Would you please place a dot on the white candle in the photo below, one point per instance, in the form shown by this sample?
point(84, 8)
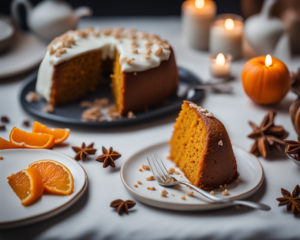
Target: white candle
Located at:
point(197, 16)
point(220, 64)
point(226, 35)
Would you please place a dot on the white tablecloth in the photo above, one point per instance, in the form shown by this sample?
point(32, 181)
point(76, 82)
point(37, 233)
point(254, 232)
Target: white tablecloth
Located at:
point(92, 218)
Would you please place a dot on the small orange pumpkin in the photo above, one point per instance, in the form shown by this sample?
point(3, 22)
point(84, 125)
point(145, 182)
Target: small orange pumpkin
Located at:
point(266, 84)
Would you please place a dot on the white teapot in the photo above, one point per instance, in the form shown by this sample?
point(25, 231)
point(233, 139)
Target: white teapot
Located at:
point(267, 34)
point(50, 18)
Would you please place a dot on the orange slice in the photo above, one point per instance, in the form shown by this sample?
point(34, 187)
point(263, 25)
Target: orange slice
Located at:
point(57, 178)
point(31, 140)
point(28, 185)
point(59, 134)
point(4, 144)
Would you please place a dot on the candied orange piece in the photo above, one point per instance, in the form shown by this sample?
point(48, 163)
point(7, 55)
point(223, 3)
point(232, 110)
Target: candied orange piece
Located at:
point(28, 185)
point(57, 178)
point(59, 134)
point(31, 140)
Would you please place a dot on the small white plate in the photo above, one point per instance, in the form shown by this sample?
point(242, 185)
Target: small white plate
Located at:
point(13, 213)
point(250, 170)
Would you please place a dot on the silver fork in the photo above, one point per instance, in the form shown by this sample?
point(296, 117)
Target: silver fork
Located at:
point(164, 179)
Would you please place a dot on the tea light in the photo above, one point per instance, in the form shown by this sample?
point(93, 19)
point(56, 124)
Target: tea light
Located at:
point(220, 64)
point(226, 35)
point(197, 16)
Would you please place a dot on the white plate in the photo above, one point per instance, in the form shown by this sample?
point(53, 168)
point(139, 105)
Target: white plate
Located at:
point(12, 212)
point(250, 170)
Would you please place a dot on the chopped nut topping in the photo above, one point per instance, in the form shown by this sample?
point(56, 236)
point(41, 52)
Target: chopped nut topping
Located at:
point(148, 44)
point(134, 51)
point(164, 193)
point(154, 36)
point(139, 182)
point(166, 46)
point(101, 102)
point(115, 115)
point(130, 114)
point(96, 33)
point(140, 170)
point(60, 52)
point(181, 176)
point(203, 110)
point(107, 31)
point(52, 50)
point(151, 178)
point(220, 143)
point(183, 197)
point(32, 97)
point(209, 115)
point(85, 104)
point(82, 33)
point(146, 167)
point(158, 52)
point(120, 41)
point(123, 60)
point(130, 61)
point(48, 109)
point(1, 158)
point(171, 170)
point(212, 193)
point(190, 194)
point(225, 192)
point(177, 173)
point(134, 44)
point(146, 57)
point(135, 185)
point(148, 52)
point(91, 114)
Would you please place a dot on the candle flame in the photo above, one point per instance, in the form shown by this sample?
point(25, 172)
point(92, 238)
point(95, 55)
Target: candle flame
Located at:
point(220, 60)
point(268, 60)
point(229, 24)
point(199, 3)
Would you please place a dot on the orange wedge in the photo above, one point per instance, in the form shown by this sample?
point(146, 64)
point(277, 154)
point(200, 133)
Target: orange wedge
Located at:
point(4, 144)
point(57, 178)
point(59, 134)
point(31, 140)
point(28, 185)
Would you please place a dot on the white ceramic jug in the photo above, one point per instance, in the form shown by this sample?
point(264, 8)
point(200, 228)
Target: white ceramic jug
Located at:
point(267, 34)
point(50, 18)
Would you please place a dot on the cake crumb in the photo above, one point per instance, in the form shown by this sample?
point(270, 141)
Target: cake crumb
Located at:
point(209, 115)
point(115, 115)
point(130, 114)
point(164, 193)
point(134, 73)
point(1, 158)
point(135, 185)
point(146, 167)
point(225, 192)
point(148, 188)
point(212, 193)
point(220, 186)
point(140, 170)
point(32, 97)
point(173, 195)
point(183, 197)
point(150, 178)
point(101, 102)
point(91, 114)
point(153, 188)
point(220, 143)
point(139, 182)
point(171, 170)
point(48, 109)
point(85, 104)
point(177, 173)
point(190, 194)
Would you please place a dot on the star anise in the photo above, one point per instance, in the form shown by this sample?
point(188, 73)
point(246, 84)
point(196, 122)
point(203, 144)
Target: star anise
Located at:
point(108, 157)
point(293, 147)
point(267, 136)
point(292, 201)
point(83, 151)
point(121, 205)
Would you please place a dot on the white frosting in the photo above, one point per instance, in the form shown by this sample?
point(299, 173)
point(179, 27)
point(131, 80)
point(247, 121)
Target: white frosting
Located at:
point(108, 44)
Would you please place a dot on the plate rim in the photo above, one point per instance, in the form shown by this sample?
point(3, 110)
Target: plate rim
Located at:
point(198, 95)
point(217, 205)
point(50, 213)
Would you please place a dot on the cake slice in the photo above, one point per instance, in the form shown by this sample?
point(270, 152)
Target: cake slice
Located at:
point(201, 148)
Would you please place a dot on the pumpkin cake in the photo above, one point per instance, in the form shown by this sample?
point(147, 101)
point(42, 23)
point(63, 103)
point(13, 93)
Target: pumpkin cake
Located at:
point(201, 148)
point(144, 67)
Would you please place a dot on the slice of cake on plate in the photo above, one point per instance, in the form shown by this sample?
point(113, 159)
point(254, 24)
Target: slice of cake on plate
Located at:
point(201, 147)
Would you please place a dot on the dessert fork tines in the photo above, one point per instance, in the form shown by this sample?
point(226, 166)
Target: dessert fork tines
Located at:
point(163, 178)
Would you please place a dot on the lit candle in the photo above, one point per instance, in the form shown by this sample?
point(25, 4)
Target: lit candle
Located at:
point(197, 16)
point(226, 35)
point(220, 64)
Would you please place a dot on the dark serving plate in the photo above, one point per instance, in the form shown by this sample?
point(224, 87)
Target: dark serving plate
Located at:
point(71, 112)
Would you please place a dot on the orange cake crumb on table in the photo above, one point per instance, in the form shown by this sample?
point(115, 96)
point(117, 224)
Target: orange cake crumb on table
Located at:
point(196, 149)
